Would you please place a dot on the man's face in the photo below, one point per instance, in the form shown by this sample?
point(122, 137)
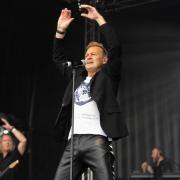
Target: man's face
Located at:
point(155, 155)
point(6, 143)
point(95, 59)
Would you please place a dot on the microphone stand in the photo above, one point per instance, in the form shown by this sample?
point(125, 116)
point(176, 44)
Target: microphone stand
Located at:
point(72, 124)
point(74, 68)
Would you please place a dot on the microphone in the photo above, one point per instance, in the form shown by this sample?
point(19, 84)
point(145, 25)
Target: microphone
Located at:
point(75, 64)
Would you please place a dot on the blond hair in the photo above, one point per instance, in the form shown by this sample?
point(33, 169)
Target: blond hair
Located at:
point(96, 44)
point(12, 145)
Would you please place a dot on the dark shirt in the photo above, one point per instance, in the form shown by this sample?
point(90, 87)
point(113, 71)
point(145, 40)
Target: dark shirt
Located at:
point(10, 173)
point(164, 167)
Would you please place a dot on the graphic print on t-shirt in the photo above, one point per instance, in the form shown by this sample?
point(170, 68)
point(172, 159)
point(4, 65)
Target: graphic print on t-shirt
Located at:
point(82, 94)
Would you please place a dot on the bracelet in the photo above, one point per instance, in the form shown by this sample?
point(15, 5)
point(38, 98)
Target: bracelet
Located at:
point(60, 32)
point(12, 129)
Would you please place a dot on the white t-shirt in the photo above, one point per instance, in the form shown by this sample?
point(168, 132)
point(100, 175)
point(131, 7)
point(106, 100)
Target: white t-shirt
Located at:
point(86, 113)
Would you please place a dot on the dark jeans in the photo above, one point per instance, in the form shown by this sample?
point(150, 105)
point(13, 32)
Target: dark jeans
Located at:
point(91, 151)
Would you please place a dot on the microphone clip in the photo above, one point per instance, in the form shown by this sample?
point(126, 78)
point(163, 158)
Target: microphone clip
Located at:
point(75, 64)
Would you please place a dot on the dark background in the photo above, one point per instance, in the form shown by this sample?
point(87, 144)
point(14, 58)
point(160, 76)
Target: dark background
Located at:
point(31, 86)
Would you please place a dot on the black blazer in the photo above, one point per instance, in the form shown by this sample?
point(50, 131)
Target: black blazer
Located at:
point(104, 86)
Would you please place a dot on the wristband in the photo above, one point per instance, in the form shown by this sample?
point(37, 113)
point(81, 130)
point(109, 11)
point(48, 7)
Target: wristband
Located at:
point(60, 32)
point(12, 129)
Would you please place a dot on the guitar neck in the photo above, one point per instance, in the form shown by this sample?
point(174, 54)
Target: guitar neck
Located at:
point(11, 166)
point(4, 171)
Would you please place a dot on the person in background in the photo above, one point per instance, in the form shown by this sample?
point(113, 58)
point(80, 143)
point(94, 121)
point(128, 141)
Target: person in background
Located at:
point(159, 166)
point(10, 152)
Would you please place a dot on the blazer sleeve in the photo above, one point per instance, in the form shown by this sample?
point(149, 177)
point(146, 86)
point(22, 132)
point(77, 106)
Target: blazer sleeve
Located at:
point(113, 66)
point(59, 57)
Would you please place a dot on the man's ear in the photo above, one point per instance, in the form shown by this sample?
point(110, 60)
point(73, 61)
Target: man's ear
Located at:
point(105, 60)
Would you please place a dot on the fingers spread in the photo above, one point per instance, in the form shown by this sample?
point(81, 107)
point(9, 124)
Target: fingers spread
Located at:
point(86, 6)
point(66, 13)
point(4, 120)
point(84, 15)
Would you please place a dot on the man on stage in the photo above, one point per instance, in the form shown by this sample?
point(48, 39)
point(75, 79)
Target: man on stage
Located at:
point(97, 117)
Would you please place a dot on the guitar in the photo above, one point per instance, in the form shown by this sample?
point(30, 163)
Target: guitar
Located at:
point(11, 166)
